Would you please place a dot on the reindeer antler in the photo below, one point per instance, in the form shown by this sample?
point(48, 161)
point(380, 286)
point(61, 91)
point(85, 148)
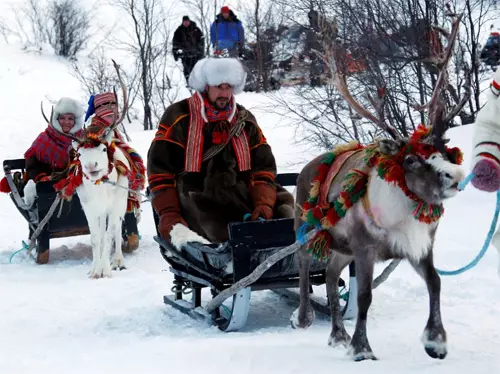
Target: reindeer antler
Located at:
point(333, 60)
point(435, 106)
point(43, 113)
point(124, 93)
point(117, 121)
point(467, 86)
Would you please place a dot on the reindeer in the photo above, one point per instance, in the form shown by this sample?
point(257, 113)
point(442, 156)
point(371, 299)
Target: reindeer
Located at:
point(382, 224)
point(100, 174)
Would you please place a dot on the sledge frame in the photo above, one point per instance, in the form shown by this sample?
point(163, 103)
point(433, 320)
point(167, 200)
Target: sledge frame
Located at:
point(70, 222)
point(197, 266)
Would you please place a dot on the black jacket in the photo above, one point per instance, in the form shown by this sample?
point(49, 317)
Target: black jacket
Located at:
point(190, 40)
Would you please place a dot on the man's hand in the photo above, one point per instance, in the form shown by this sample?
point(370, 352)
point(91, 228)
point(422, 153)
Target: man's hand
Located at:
point(264, 198)
point(262, 211)
point(167, 221)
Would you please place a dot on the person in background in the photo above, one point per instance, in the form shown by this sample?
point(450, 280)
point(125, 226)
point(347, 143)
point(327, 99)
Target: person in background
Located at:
point(226, 33)
point(188, 44)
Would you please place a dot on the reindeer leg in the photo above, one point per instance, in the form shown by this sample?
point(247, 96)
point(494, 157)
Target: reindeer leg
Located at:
point(106, 250)
point(118, 261)
point(336, 264)
point(303, 316)
point(364, 257)
point(434, 336)
point(93, 223)
point(101, 243)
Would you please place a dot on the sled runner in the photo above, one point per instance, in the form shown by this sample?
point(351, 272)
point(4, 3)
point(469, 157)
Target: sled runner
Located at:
point(219, 266)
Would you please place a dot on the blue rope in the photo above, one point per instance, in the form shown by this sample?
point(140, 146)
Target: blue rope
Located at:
point(24, 248)
point(247, 217)
point(465, 182)
point(301, 233)
point(487, 242)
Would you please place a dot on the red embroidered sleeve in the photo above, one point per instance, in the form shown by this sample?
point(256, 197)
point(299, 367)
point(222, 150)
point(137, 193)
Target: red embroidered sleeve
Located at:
point(166, 153)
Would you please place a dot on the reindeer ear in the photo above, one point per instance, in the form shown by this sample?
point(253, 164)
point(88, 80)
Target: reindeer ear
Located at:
point(74, 144)
point(391, 147)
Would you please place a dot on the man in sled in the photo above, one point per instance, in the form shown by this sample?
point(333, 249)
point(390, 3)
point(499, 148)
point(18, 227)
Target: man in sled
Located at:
point(209, 163)
point(104, 111)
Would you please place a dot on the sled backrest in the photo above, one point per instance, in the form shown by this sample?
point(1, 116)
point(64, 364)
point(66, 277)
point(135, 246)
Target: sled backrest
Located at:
point(249, 241)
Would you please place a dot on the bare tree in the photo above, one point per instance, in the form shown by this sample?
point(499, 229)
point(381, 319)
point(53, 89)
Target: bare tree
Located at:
point(164, 92)
point(385, 46)
point(96, 75)
point(263, 19)
point(30, 20)
point(478, 14)
point(68, 27)
point(148, 45)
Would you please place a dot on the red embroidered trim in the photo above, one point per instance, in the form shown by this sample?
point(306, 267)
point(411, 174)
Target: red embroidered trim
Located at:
point(194, 144)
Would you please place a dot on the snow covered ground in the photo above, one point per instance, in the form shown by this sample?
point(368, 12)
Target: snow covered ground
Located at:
point(53, 319)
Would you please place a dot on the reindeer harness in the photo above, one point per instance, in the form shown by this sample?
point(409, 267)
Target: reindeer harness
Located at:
point(324, 215)
point(135, 175)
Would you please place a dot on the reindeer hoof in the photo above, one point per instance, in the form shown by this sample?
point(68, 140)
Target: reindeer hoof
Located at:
point(434, 353)
point(299, 322)
point(340, 339)
point(435, 346)
point(360, 350)
point(364, 356)
point(119, 267)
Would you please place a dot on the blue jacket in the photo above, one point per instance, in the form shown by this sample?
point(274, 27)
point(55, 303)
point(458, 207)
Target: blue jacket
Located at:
point(227, 34)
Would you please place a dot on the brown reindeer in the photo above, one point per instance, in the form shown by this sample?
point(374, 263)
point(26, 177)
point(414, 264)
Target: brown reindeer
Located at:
point(378, 202)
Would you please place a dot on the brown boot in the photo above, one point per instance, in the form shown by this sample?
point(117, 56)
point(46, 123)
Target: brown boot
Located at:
point(43, 257)
point(131, 244)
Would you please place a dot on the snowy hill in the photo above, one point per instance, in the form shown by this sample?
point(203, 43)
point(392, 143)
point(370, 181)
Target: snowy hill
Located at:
point(53, 319)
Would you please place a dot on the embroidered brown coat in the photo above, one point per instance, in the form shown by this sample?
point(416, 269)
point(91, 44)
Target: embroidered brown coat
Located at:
point(219, 193)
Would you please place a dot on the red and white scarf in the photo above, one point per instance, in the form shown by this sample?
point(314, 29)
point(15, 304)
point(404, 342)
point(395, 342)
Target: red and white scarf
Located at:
point(194, 144)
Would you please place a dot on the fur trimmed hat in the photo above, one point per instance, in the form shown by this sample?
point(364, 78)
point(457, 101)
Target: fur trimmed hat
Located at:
point(68, 105)
point(215, 71)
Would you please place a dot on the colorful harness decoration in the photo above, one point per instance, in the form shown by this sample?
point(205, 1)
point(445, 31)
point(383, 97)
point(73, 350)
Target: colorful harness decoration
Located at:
point(320, 213)
point(136, 174)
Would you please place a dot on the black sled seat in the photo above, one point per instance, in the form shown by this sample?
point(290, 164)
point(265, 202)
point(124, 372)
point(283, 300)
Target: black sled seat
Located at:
point(218, 266)
point(70, 222)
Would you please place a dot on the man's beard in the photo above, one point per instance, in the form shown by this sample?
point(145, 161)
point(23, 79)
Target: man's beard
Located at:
point(220, 103)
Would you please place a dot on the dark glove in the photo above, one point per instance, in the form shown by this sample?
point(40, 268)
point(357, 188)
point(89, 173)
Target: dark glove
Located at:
point(167, 206)
point(264, 198)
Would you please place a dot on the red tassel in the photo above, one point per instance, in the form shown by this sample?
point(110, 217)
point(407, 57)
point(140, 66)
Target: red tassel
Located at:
point(219, 137)
point(4, 185)
point(322, 172)
point(216, 138)
point(317, 213)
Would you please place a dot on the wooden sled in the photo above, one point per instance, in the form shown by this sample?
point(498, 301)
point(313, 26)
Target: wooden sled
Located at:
point(218, 266)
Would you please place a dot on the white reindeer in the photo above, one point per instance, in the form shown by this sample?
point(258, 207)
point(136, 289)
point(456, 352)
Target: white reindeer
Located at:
point(99, 174)
point(104, 204)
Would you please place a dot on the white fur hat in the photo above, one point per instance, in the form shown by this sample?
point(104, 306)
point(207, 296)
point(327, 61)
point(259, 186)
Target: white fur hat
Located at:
point(214, 71)
point(68, 105)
